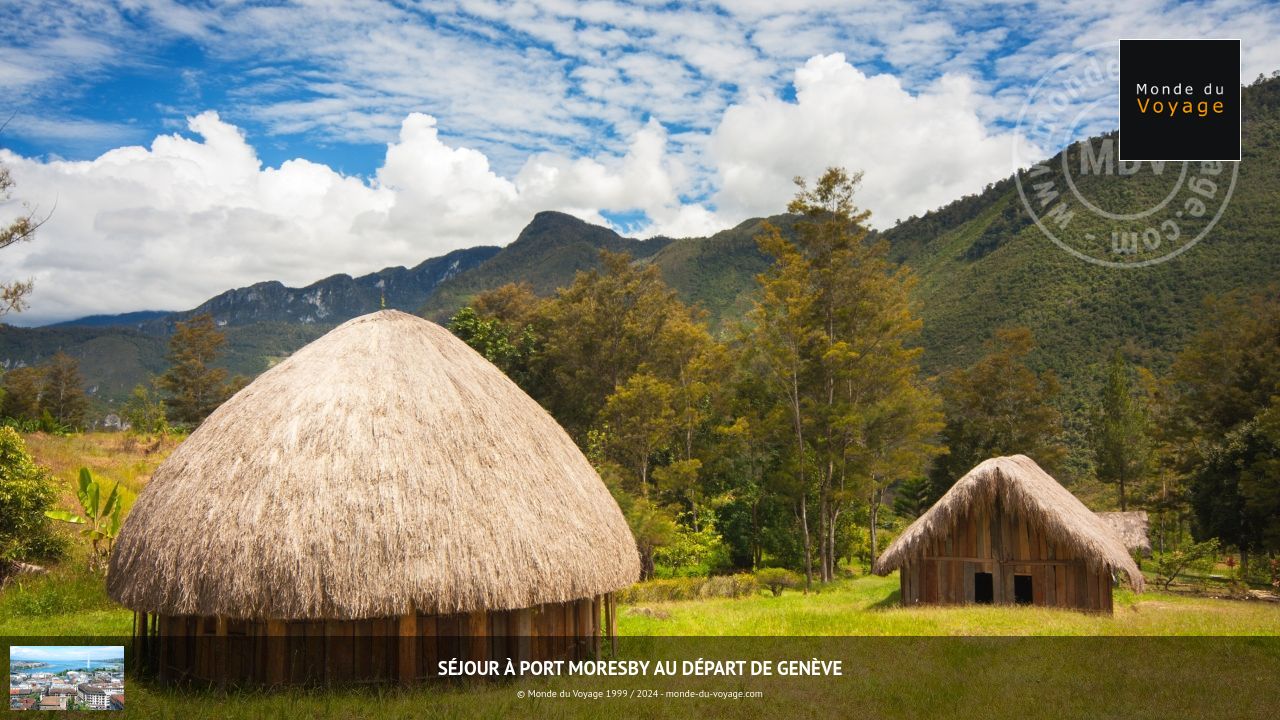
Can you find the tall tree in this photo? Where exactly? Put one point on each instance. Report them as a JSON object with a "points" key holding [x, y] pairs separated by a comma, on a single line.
{"points": [[63, 392], [639, 421], [598, 332], [22, 388], [194, 387], [833, 329], [1122, 446], [998, 406], [500, 324], [1224, 388]]}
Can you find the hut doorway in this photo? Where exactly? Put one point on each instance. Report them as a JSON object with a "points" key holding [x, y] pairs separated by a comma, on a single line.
{"points": [[983, 588], [1022, 592]]}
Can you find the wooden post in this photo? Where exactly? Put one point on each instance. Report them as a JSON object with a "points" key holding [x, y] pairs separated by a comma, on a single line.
{"points": [[277, 652], [220, 650], [613, 625], [595, 627], [162, 625], [478, 636], [521, 631], [408, 666]]}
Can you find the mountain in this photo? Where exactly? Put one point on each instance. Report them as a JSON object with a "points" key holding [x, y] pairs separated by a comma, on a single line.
{"points": [[130, 319], [263, 324], [547, 253], [980, 263]]}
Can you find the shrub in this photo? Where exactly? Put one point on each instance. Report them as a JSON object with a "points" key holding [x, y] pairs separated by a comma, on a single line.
{"points": [[777, 579], [1200, 556], [689, 588], [692, 553], [25, 493]]}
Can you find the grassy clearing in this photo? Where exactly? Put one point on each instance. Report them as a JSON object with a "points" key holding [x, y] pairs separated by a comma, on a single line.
{"points": [[885, 677], [111, 457], [868, 606]]}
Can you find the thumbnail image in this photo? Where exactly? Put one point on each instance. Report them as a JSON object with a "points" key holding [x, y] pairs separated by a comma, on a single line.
{"points": [[66, 677]]}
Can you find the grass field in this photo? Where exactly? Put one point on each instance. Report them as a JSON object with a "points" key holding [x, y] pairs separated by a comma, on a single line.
{"points": [[898, 662]]}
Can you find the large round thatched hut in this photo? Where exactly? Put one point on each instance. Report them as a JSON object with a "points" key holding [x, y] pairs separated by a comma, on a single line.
{"points": [[381, 500], [1007, 532]]}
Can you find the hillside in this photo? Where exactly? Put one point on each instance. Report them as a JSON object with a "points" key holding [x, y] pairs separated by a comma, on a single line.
{"points": [[547, 253], [263, 323], [980, 262]]}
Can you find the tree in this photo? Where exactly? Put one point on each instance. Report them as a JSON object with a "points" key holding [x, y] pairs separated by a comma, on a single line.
{"points": [[22, 387], [639, 422], [63, 393], [998, 406], [912, 497], [13, 294], [1122, 447], [144, 412], [499, 324], [193, 385], [598, 332], [1223, 420], [832, 334], [25, 492]]}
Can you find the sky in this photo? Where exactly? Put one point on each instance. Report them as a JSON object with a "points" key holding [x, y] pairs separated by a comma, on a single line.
{"points": [[66, 653], [181, 149]]}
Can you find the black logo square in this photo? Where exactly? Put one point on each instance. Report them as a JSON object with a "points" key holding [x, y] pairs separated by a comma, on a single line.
{"points": [[1179, 100]]}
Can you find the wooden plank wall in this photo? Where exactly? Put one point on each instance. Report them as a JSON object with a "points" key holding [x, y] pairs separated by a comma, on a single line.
{"points": [[223, 651], [1004, 545]]}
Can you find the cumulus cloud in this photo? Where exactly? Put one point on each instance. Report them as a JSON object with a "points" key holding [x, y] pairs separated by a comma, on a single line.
{"points": [[918, 151], [169, 225]]}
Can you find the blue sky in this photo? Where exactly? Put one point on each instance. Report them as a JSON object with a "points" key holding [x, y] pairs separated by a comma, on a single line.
{"points": [[55, 653], [193, 147]]}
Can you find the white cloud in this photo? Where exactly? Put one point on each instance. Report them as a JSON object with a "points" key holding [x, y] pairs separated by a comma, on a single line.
{"points": [[917, 151], [170, 225]]}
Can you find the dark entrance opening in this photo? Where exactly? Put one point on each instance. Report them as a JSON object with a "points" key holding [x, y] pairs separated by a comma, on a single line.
{"points": [[1022, 589], [983, 589]]}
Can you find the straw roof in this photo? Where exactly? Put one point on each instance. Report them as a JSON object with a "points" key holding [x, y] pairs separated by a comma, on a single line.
{"points": [[1131, 527], [1023, 487], [385, 466]]}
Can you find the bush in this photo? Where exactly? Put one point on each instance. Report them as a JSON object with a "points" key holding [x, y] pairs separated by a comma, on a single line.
{"points": [[777, 579], [691, 553], [1197, 556], [25, 493], [689, 588]]}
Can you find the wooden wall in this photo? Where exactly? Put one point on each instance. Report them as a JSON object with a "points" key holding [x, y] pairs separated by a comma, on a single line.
{"points": [[220, 651], [1005, 545]]}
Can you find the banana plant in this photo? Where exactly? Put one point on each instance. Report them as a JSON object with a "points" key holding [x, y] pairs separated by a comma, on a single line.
{"points": [[101, 519]]}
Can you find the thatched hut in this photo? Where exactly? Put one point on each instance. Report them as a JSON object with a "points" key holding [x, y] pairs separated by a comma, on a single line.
{"points": [[1007, 532], [383, 499], [1132, 527]]}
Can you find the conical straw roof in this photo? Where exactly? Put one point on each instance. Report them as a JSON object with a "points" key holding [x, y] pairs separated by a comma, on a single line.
{"points": [[1023, 487], [385, 466]]}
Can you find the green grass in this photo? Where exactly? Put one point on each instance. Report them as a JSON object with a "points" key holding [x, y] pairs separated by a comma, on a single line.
{"points": [[890, 677], [868, 606]]}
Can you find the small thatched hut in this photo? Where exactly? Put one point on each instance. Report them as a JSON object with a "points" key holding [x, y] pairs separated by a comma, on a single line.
{"points": [[1132, 527], [381, 500], [1007, 532]]}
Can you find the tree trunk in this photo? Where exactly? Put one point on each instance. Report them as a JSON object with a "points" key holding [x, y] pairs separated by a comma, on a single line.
{"points": [[808, 544], [873, 515]]}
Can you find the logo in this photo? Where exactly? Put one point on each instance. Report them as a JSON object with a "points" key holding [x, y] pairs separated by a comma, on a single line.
{"points": [[1098, 207]]}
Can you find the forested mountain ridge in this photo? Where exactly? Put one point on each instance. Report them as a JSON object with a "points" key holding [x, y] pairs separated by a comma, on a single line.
{"points": [[980, 264]]}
